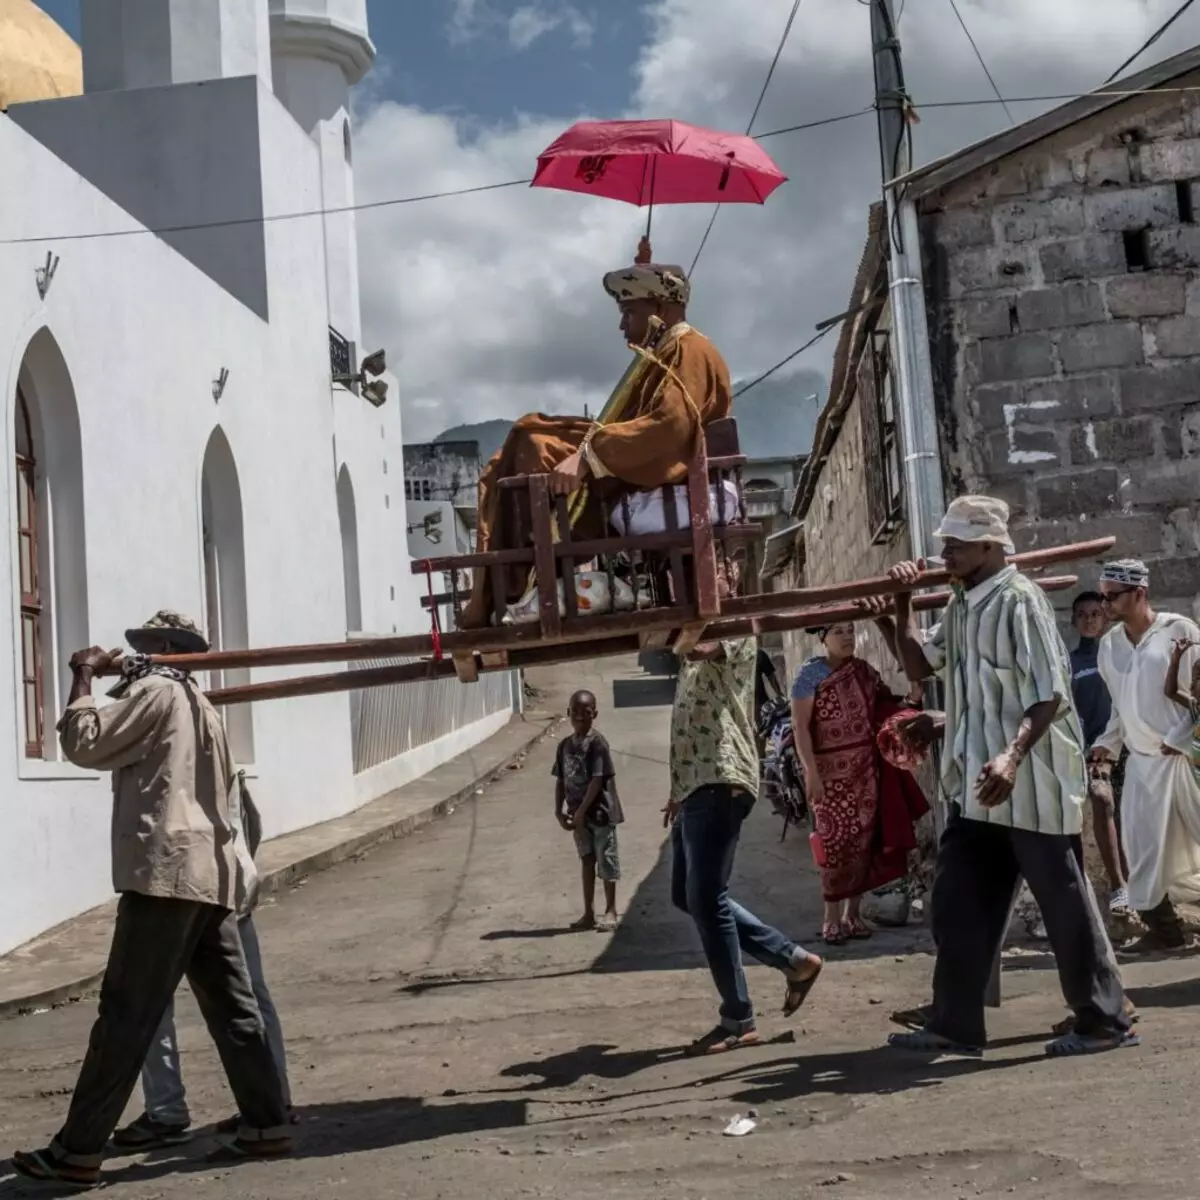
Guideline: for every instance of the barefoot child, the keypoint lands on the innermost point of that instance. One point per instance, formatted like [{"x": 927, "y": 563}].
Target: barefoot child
[{"x": 586, "y": 803}]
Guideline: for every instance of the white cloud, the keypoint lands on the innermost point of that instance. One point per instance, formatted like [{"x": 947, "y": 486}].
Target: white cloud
[
  {"x": 533, "y": 21},
  {"x": 492, "y": 303}
]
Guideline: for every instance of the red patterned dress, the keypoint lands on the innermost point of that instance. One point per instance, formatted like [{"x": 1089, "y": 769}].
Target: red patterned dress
[{"x": 864, "y": 823}]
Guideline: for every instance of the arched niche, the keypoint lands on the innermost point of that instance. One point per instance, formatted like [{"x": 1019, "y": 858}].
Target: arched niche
[
  {"x": 225, "y": 608},
  {"x": 351, "y": 576}
]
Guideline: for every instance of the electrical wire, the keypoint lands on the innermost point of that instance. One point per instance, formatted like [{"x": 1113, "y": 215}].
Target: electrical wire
[
  {"x": 1152, "y": 38},
  {"x": 783, "y": 362},
  {"x": 762, "y": 95},
  {"x": 398, "y": 201},
  {"x": 982, "y": 63}
]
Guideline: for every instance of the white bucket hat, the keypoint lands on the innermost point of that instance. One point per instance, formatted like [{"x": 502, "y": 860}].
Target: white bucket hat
[{"x": 977, "y": 519}]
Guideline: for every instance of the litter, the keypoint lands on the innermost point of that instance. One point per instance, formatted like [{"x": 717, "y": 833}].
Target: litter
[{"x": 739, "y": 1126}]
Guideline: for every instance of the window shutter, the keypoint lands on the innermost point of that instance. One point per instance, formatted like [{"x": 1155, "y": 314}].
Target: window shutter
[{"x": 872, "y": 435}]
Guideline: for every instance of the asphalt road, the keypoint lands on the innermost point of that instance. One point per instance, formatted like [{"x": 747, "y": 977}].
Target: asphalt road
[{"x": 448, "y": 1037}]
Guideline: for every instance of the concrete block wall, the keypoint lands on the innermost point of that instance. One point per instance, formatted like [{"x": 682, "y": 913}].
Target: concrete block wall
[
  {"x": 838, "y": 541},
  {"x": 1064, "y": 303}
]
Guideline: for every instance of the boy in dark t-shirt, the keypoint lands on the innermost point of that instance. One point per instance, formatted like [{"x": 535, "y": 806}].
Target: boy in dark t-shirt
[{"x": 586, "y": 804}]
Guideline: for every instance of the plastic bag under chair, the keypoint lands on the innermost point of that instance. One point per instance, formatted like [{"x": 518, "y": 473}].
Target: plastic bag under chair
[
  {"x": 592, "y": 598},
  {"x": 647, "y": 510}
]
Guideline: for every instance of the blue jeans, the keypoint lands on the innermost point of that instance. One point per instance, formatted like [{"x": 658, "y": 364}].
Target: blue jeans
[
  {"x": 162, "y": 1076},
  {"x": 703, "y": 843}
]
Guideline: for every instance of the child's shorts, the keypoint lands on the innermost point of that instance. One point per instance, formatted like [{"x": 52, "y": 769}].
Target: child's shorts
[{"x": 600, "y": 841}]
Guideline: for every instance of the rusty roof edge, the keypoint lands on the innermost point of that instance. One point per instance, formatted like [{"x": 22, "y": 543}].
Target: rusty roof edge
[
  {"x": 869, "y": 267},
  {"x": 953, "y": 167}
]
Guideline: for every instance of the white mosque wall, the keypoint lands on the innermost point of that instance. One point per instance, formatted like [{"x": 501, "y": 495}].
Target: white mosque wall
[{"x": 119, "y": 360}]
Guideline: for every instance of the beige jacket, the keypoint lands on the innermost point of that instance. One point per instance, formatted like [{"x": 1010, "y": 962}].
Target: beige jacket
[{"x": 172, "y": 771}]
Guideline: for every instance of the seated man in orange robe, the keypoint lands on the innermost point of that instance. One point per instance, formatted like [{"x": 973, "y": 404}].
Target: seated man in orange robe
[{"x": 649, "y": 432}]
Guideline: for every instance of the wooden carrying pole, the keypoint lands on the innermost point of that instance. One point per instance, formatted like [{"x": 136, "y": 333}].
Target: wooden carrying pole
[
  {"x": 343, "y": 681},
  {"x": 585, "y": 629}
]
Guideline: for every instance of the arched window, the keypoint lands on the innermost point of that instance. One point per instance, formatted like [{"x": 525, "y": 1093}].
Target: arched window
[
  {"x": 30, "y": 593},
  {"x": 225, "y": 606},
  {"x": 348, "y": 520},
  {"x": 50, "y": 572}
]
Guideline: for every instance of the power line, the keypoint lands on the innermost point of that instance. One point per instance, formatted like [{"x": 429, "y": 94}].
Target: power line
[
  {"x": 812, "y": 341},
  {"x": 979, "y": 55},
  {"x": 398, "y": 201},
  {"x": 1152, "y": 38},
  {"x": 762, "y": 95}
]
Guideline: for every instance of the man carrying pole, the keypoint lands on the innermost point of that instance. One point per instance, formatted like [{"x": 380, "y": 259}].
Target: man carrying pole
[{"x": 1013, "y": 775}]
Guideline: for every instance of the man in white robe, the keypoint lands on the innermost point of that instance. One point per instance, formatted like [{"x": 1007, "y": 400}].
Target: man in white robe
[{"x": 1160, "y": 805}]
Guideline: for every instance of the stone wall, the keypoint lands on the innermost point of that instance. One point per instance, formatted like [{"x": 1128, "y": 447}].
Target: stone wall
[
  {"x": 1064, "y": 300},
  {"x": 838, "y": 542}
]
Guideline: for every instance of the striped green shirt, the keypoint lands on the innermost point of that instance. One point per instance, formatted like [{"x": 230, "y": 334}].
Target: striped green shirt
[{"x": 998, "y": 652}]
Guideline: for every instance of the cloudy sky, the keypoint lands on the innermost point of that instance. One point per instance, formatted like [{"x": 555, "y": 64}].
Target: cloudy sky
[{"x": 490, "y": 304}]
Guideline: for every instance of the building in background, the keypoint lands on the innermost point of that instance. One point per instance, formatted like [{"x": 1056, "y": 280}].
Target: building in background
[
  {"x": 1062, "y": 274},
  {"x": 441, "y": 498},
  {"x": 186, "y": 404}
]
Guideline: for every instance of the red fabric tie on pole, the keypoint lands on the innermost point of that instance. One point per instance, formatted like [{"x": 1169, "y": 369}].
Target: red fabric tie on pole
[{"x": 435, "y": 624}]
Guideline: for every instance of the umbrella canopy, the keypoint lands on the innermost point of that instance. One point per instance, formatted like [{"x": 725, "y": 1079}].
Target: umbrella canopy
[{"x": 658, "y": 162}]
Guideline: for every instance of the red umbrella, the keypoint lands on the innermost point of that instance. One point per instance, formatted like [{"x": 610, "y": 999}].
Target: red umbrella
[{"x": 658, "y": 162}]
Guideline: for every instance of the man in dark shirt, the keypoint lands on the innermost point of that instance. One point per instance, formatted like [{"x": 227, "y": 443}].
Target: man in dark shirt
[
  {"x": 1094, "y": 706},
  {"x": 764, "y": 674}
]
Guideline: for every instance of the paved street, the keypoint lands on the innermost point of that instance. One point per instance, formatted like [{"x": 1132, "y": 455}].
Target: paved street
[{"x": 448, "y": 1038}]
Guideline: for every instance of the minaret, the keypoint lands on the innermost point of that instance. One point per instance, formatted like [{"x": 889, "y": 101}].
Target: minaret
[
  {"x": 153, "y": 43},
  {"x": 319, "y": 50}
]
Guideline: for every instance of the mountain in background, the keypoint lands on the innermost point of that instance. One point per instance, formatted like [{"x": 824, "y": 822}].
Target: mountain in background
[{"x": 775, "y": 420}]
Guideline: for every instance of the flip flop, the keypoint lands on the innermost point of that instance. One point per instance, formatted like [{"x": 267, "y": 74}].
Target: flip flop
[
  {"x": 924, "y": 1042},
  {"x": 914, "y": 1019},
  {"x": 236, "y": 1150},
  {"x": 797, "y": 991},
  {"x": 1073, "y": 1045},
  {"x": 832, "y": 934},
  {"x": 857, "y": 930},
  {"x": 44, "y": 1166},
  {"x": 721, "y": 1041}
]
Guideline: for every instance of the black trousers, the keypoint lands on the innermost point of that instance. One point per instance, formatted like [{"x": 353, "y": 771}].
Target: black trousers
[
  {"x": 156, "y": 942},
  {"x": 977, "y": 870}
]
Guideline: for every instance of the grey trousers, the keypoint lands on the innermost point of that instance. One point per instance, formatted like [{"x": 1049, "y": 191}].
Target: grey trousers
[
  {"x": 162, "y": 1075},
  {"x": 156, "y": 942}
]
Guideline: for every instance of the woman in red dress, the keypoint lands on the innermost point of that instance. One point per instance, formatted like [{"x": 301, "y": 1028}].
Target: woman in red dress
[{"x": 863, "y": 808}]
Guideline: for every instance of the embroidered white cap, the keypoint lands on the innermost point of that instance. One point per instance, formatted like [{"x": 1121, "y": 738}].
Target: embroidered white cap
[{"x": 977, "y": 519}]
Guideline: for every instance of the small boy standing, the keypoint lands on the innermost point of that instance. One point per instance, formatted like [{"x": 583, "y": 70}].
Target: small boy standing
[{"x": 586, "y": 803}]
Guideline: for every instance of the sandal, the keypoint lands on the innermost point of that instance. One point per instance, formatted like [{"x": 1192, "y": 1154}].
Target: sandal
[
  {"x": 722, "y": 1041},
  {"x": 832, "y": 934},
  {"x": 237, "y": 1149},
  {"x": 857, "y": 929},
  {"x": 148, "y": 1133},
  {"x": 924, "y": 1042},
  {"x": 49, "y": 1166},
  {"x": 1073, "y": 1045},
  {"x": 914, "y": 1019},
  {"x": 234, "y": 1123},
  {"x": 798, "y": 989}
]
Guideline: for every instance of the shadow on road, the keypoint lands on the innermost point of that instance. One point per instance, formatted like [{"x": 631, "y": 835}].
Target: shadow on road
[{"x": 1185, "y": 993}]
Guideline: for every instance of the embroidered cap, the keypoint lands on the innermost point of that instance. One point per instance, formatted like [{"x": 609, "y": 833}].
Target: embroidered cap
[
  {"x": 1131, "y": 572},
  {"x": 649, "y": 281},
  {"x": 180, "y": 632},
  {"x": 977, "y": 519}
]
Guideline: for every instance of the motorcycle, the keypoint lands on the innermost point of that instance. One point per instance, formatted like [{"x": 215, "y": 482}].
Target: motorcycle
[{"x": 782, "y": 775}]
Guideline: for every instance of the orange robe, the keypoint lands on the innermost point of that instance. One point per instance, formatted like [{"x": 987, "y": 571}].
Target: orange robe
[{"x": 648, "y": 444}]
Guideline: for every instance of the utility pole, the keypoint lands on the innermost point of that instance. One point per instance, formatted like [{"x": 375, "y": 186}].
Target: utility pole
[{"x": 910, "y": 333}]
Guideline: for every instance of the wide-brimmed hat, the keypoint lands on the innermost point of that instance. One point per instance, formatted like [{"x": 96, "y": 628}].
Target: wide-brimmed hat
[
  {"x": 180, "y": 632},
  {"x": 977, "y": 519}
]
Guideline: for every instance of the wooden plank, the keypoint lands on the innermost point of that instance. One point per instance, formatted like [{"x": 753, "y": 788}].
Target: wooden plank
[
  {"x": 543, "y": 555},
  {"x": 527, "y": 656},
  {"x": 495, "y": 660},
  {"x": 657, "y": 640},
  {"x": 704, "y": 555},
  {"x": 690, "y": 636},
  {"x": 466, "y": 667},
  {"x": 562, "y": 516}
]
